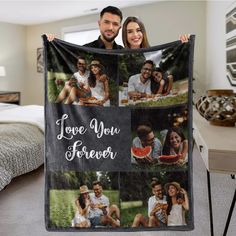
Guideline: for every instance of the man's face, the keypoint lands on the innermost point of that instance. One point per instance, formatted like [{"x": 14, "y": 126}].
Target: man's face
[
  {"x": 157, "y": 191},
  {"x": 146, "y": 71},
  {"x": 97, "y": 190},
  {"x": 149, "y": 140},
  {"x": 109, "y": 26},
  {"x": 81, "y": 65}
]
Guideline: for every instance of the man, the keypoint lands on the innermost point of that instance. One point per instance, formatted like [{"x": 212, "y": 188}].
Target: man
[
  {"x": 139, "y": 85},
  {"x": 109, "y": 25},
  {"x": 145, "y": 137},
  {"x": 157, "y": 206},
  {"x": 77, "y": 86},
  {"x": 100, "y": 213}
]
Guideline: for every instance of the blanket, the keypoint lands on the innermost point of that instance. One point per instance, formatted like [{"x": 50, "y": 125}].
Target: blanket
[
  {"x": 22, "y": 141},
  {"x": 118, "y": 136},
  {"x": 31, "y": 114}
]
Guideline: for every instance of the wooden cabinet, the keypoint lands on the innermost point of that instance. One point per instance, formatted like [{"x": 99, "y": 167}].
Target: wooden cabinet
[
  {"x": 10, "y": 97},
  {"x": 217, "y": 145}
]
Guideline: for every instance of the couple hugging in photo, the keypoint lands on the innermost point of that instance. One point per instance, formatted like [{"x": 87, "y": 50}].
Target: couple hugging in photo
[
  {"x": 150, "y": 82},
  {"x": 86, "y": 85},
  {"x": 94, "y": 210},
  {"x": 165, "y": 208}
]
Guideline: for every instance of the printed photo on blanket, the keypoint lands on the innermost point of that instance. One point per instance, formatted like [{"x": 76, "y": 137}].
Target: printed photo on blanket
[
  {"x": 89, "y": 80},
  {"x": 154, "y": 199},
  {"x": 160, "y": 138},
  {"x": 83, "y": 200},
  {"x": 152, "y": 79}
]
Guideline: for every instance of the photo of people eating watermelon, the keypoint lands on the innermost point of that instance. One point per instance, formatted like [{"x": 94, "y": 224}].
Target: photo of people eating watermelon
[{"x": 160, "y": 138}]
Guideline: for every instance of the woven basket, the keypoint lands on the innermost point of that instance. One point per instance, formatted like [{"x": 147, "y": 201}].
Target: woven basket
[{"x": 218, "y": 107}]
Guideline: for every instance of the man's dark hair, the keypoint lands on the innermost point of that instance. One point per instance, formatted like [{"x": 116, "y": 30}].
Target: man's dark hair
[
  {"x": 97, "y": 182},
  {"x": 149, "y": 62},
  {"x": 112, "y": 10},
  {"x": 81, "y": 58},
  {"x": 143, "y": 130},
  {"x": 155, "y": 182}
]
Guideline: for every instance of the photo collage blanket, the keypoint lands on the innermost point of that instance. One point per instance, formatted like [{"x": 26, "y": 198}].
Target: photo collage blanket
[{"x": 118, "y": 137}]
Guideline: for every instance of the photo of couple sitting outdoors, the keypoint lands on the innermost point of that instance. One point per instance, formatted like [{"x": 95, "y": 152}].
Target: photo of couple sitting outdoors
[
  {"x": 88, "y": 86},
  {"x": 153, "y": 79},
  {"x": 154, "y": 202},
  {"x": 148, "y": 85},
  {"x": 159, "y": 138},
  {"x": 93, "y": 208},
  {"x": 84, "y": 200}
]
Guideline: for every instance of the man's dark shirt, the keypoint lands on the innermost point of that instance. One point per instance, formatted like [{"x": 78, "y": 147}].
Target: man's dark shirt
[{"x": 99, "y": 44}]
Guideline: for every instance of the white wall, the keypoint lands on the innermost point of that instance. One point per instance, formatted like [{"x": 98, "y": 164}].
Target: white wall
[
  {"x": 215, "y": 53},
  {"x": 164, "y": 21},
  {"x": 12, "y": 56}
]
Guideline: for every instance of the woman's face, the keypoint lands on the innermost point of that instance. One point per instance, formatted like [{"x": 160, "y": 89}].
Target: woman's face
[
  {"x": 95, "y": 69},
  {"x": 172, "y": 190},
  {"x": 157, "y": 76},
  {"x": 175, "y": 140},
  {"x": 86, "y": 195},
  {"x": 134, "y": 35}
]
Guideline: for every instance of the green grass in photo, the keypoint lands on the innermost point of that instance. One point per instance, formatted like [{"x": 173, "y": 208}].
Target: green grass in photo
[
  {"x": 129, "y": 211},
  {"x": 168, "y": 101},
  {"x": 62, "y": 206}
]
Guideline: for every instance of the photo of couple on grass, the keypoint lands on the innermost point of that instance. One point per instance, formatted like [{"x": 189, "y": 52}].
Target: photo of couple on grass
[
  {"x": 103, "y": 203},
  {"x": 156, "y": 200}
]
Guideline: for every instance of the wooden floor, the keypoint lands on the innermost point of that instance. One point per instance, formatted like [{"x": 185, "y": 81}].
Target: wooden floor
[{"x": 22, "y": 206}]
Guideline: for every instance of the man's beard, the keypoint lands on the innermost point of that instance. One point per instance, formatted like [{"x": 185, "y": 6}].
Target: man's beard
[
  {"x": 110, "y": 40},
  {"x": 82, "y": 69}
]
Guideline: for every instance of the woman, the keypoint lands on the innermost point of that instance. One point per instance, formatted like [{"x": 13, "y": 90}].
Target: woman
[
  {"x": 178, "y": 203},
  {"x": 83, "y": 206},
  {"x": 176, "y": 143},
  {"x": 98, "y": 84},
  {"x": 134, "y": 34},
  {"x": 160, "y": 82}
]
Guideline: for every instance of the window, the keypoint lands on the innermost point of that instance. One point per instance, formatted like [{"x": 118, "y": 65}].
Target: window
[{"x": 84, "y": 34}]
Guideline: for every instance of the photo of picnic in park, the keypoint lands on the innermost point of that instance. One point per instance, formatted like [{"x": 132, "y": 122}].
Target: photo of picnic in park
[
  {"x": 143, "y": 79},
  {"x": 158, "y": 78},
  {"x": 96, "y": 199},
  {"x": 154, "y": 199},
  {"x": 83, "y": 200},
  {"x": 81, "y": 77},
  {"x": 159, "y": 138}
]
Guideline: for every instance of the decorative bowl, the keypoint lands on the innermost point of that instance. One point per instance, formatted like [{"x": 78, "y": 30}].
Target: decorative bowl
[{"x": 218, "y": 107}]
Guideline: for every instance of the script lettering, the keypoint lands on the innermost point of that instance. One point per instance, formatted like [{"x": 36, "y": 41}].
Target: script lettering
[
  {"x": 68, "y": 132},
  {"x": 100, "y": 129}
]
